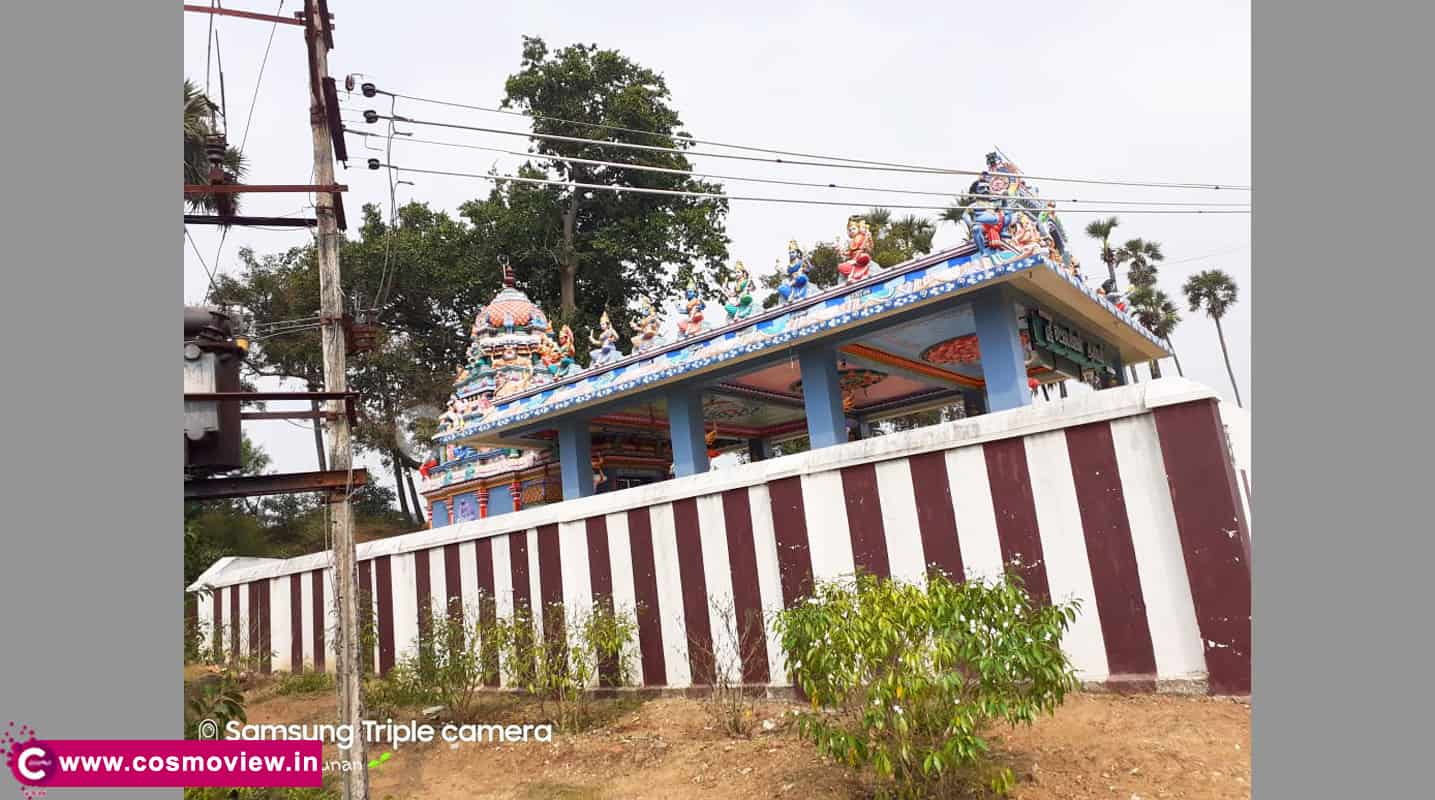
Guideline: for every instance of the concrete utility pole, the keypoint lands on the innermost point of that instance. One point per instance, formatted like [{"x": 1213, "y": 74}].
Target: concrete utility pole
[{"x": 331, "y": 314}]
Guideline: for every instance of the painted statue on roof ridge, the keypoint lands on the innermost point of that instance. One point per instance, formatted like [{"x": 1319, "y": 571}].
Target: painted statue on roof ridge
[
  {"x": 739, "y": 294},
  {"x": 605, "y": 342},
  {"x": 859, "y": 251},
  {"x": 647, "y": 328},
  {"x": 795, "y": 287},
  {"x": 692, "y": 310}
]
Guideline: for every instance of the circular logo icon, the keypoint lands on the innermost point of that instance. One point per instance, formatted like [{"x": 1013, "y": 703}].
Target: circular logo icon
[
  {"x": 34, "y": 763},
  {"x": 208, "y": 729}
]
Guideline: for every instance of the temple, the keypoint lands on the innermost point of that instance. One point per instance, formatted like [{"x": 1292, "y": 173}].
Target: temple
[
  {"x": 978, "y": 326},
  {"x": 1134, "y": 500}
]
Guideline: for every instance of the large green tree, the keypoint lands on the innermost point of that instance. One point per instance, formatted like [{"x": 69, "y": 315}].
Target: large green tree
[
  {"x": 425, "y": 273},
  {"x": 607, "y": 245},
  {"x": 1214, "y": 292}
]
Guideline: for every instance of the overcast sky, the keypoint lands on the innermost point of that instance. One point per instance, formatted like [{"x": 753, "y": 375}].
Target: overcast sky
[{"x": 1143, "y": 91}]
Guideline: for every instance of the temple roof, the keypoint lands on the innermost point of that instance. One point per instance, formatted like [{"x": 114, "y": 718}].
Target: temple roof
[{"x": 883, "y": 299}]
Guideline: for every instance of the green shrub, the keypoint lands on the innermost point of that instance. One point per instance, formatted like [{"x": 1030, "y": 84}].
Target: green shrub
[
  {"x": 450, "y": 663},
  {"x": 219, "y": 698},
  {"x": 402, "y": 688},
  {"x": 304, "y": 683},
  {"x": 907, "y": 679},
  {"x": 562, "y": 667},
  {"x": 211, "y": 793}
]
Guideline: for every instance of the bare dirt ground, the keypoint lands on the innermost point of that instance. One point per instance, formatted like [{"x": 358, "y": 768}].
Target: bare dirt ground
[{"x": 1096, "y": 746}]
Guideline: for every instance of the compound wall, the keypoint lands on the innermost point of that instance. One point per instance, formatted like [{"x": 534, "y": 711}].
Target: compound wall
[{"x": 1126, "y": 499}]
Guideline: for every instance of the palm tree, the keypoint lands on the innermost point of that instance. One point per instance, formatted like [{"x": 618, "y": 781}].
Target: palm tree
[
  {"x": 199, "y": 125},
  {"x": 1214, "y": 292},
  {"x": 1100, "y": 230},
  {"x": 1160, "y": 316},
  {"x": 1142, "y": 256}
]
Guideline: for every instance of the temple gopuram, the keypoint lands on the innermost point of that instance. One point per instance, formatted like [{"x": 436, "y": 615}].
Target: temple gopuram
[{"x": 978, "y": 326}]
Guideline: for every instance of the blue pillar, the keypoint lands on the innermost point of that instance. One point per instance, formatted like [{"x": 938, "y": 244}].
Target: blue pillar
[
  {"x": 685, "y": 427},
  {"x": 1003, "y": 358},
  {"x": 822, "y": 396},
  {"x": 575, "y": 455}
]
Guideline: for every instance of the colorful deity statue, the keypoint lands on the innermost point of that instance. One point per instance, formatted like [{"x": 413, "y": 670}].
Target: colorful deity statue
[
  {"x": 981, "y": 187},
  {"x": 989, "y": 224},
  {"x": 692, "y": 311},
  {"x": 795, "y": 287},
  {"x": 606, "y": 342},
  {"x": 739, "y": 294},
  {"x": 647, "y": 328},
  {"x": 1025, "y": 237},
  {"x": 859, "y": 251},
  {"x": 558, "y": 356},
  {"x": 567, "y": 352},
  {"x": 1046, "y": 220}
]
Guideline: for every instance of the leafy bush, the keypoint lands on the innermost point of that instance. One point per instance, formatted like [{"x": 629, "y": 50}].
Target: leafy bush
[
  {"x": 456, "y": 657},
  {"x": 211, "y": 793},
  {"x": 563, "y": 667},
  {"x": 217, "y": 697},
  {"x": 304, "y": 683},
  {"x": 450, "y": 663},
  {"x": 402, "y": 688},
  {"x": 906, "y": 679}
]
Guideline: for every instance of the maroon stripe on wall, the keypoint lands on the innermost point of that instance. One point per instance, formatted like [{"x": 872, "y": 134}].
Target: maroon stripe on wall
[
  {"x": 1214, "y": 538},
  {"x": 1016, "y": 514},
  {"x": 645, "y": 592},
  {"x": 936, "y": 519},
  {"x": 746, "y": 595},
  {"x": 296, "y": 623},
  {"x": 789, "y": 525},
  {"x": 320, "y": 619},
  {"x": 695, "y": 592},
  {"x": 518, "y": 569},
  {"x": 453, "y": 582},
  {"x": 600, "y": 580},
  {"x": 216, "y": 633},
  {"x": 550, "y": 582},
  {"x": 384, "y": 588},
  {"x": 367, "y": 614},
  {"x": 423, "y": 597},
  {"x": 864, "y": 519},
  {"x": 487, "y": 608},
  {"x": 253, "y": 621},
  {"x": 266, "y": 644},
  {"x": 1101, "y": 503},
  {"x": 234, "y": 623}
]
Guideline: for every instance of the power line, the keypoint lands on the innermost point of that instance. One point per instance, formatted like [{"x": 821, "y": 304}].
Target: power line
[
  {"x": 209, "y": 55},
  {"x": 853, "y": 163},
  {"x": 1235, "y": 249},
  {"x": 199, "y": 256},
  {"x": 779, "y": 181},
  {"x": 265, "y": 60},
  {"x": 789, "y": 200}
]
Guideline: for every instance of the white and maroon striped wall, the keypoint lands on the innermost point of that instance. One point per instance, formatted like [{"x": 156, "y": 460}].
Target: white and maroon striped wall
[{"x": 1126, "y": 499}]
